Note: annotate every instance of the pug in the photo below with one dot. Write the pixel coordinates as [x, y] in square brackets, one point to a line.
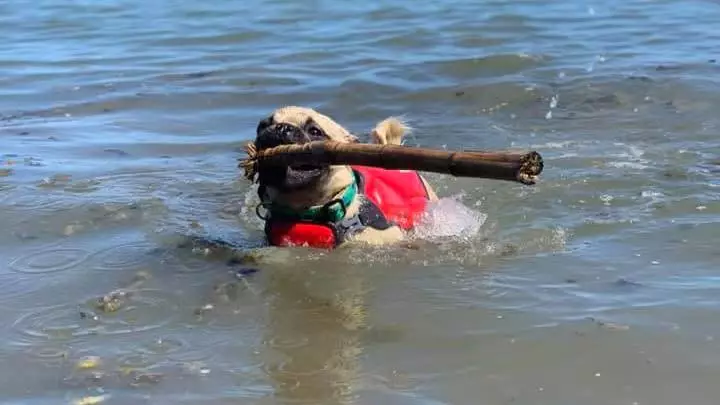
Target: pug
[328, 206]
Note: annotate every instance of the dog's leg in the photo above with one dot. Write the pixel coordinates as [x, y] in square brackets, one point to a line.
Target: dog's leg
[378, 237]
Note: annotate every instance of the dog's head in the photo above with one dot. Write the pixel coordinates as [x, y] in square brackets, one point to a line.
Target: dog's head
[297, 125]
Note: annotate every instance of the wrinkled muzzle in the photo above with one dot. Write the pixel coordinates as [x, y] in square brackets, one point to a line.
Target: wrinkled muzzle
[280, 134]
[291, 177]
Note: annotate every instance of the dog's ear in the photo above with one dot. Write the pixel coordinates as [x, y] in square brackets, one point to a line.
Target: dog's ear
[390, 131]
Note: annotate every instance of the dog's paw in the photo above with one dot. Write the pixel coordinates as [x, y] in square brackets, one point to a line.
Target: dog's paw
[389, 131]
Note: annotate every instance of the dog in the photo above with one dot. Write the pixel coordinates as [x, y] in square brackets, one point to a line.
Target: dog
[328, 206]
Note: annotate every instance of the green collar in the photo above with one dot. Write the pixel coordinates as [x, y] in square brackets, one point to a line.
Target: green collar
[333, 211]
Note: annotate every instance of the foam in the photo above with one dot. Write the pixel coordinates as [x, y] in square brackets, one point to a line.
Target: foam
[448, 217]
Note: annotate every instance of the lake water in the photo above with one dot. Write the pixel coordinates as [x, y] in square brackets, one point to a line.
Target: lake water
[121, 124]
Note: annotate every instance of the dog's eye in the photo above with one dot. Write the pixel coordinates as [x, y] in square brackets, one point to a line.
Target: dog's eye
[315, 131]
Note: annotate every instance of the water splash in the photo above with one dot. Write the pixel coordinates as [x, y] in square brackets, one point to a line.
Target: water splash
[449, 218]
[553, 104]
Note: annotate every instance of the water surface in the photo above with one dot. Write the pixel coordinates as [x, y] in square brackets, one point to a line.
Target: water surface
[121, 125]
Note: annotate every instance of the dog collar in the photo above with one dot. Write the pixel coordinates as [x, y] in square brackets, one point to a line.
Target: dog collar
[333, 211]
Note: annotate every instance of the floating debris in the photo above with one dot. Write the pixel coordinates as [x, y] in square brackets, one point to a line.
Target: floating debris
[95, 377]
[118, 152]
[196, 367]
[90, 400]
[203, 309]
[139, 278]
[72, 229]
[228, 291]
[112, 302]
[245, 271]
[623, 282]
[141, 378]
[88, 362]
[88, 315]
[609, 325]
[55, 181]
[509, 249]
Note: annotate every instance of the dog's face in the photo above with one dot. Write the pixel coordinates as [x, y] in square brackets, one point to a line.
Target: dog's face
[298, 125]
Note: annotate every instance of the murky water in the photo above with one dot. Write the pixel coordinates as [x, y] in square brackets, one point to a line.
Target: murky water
[121, 124]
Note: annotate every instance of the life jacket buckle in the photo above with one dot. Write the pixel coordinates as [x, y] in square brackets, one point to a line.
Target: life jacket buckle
[326, 210]
[266, 215]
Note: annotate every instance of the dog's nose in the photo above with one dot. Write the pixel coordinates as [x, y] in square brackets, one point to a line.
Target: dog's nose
[289, 133]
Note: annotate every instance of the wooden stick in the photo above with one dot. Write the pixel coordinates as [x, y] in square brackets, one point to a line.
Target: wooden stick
[522, 167]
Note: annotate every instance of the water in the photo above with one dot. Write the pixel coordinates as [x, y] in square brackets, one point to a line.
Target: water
[121, 125]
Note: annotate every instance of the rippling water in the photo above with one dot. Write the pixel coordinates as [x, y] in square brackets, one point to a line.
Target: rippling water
[121, 123]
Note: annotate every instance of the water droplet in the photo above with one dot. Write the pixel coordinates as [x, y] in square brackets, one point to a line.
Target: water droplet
[554, 101]
[606, 198]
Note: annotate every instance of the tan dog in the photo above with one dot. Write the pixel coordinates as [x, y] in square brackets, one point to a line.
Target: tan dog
[311, 189]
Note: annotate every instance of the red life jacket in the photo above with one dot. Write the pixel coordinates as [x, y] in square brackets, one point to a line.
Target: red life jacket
[392, 197]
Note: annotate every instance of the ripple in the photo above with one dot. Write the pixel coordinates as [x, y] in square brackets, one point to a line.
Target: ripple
[142, 312]
[83, 186]
[13, 288]
[283, 342]
[154, 177]
[194, 354]
[163, 346]
[123, 256]
[36, 203]
[48, 355]
[492, 65]
[5, 188]
[49, 261]
[136, 360]
[186, 264]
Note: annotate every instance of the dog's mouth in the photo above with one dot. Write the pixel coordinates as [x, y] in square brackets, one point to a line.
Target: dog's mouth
[294, 177]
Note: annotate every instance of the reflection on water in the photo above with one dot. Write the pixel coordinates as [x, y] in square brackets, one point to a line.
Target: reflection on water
[313, 341]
